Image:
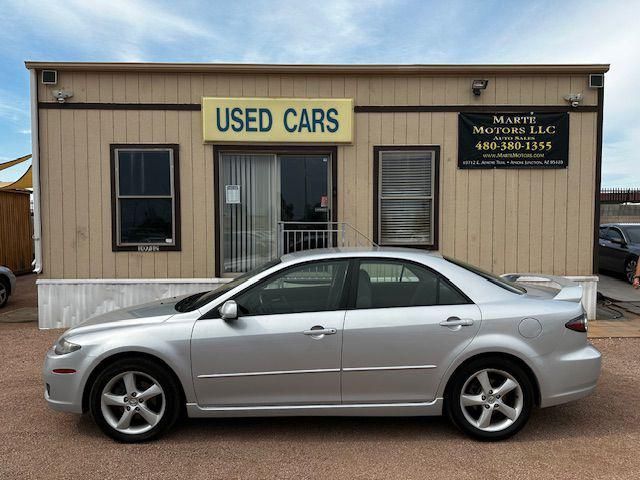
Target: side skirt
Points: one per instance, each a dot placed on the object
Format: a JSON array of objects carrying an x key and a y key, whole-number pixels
[{"x": 342, "y": 410}]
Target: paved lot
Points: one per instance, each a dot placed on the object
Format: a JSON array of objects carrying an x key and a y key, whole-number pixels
[
  {"x": 615, "y": 287},
  {"x": 23, "y": 302},
  {"x": 595, "y": 438}
]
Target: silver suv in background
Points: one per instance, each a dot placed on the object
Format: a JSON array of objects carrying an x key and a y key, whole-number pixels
[{"x": 7, "y": 285}]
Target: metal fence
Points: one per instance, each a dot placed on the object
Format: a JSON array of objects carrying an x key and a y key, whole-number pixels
[
  {"x": 619, "y": 213},
  {"x": 620, "y": 195},
  {"x": 298, "y": 236}
]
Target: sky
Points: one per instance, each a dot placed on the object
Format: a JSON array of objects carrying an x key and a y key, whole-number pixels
[{"x": 329, "y": 31}]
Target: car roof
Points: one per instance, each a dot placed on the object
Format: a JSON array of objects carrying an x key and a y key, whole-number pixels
[
  {"x": 627, "y": 224},
  {"x": 390, "y": 252}
]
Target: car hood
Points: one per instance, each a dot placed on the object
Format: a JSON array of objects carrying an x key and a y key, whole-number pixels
[{"x": 152, "y": 312}]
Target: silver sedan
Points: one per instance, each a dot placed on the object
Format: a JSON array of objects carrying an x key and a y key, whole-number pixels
[{"x": 332, "y": 332}]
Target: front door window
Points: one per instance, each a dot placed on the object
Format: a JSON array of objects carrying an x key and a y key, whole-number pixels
[{"x": 314, "y": 287}]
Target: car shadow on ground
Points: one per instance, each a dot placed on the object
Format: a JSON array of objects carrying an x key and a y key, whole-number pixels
[{"x": 573, "y": 420}]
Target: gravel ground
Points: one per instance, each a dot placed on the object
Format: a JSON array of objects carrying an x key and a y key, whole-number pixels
[{"x": 598, "y": 437}]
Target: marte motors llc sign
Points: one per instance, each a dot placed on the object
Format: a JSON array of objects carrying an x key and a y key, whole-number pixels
[{"x": 513, "y": 140}]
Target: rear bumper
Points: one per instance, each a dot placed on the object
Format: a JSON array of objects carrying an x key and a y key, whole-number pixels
[{"x": 569, "y": 376}]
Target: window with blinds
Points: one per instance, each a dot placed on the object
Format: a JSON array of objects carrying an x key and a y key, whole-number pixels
[{"x": 405, "y": 197}]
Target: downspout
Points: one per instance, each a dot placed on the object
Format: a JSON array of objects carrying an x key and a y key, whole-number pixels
[{"x": 35, "y": 169}]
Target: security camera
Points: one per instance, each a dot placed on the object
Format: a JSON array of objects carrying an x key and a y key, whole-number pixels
[
  {"x": 574, "y": 99},
  {"x": 478, "y": 85},
  {"x": 61, "y": 95}
]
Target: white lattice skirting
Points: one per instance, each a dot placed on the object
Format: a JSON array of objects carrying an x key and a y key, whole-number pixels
[{"x": 65, "y": 303}]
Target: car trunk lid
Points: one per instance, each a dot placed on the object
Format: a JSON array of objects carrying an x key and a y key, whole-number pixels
[{"x": 547, "y": 286}]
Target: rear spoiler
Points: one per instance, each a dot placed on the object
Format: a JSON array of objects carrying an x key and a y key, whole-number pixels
[{"x": 568, "y": 291}]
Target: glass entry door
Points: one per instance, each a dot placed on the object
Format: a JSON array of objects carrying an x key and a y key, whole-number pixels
[{"x": 270, "y": 204}]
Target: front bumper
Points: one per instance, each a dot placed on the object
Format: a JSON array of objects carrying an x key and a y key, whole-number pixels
[
  {"x": 570, "y": 376},
  {"x": 63, "y": 391}
]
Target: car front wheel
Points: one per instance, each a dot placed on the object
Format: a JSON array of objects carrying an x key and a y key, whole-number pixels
[
  {"x": 490, "y": 399},
  {"x": 134, "y": 400},
  {"x": 4, "y": 293}
]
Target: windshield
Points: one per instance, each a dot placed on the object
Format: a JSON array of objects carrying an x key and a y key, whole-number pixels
[
  {"x": 633, "y": 233},
  {"x": 198, "y": 300},
  {"x": 495, "y": 279}
]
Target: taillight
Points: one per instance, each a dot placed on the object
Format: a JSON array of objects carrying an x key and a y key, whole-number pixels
[{"x": 578, "y": 324}]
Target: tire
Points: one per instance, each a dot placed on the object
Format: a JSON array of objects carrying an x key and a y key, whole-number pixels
[
  {"x": 4, "y": 292},
  {"x": 630, "y": 269},
  {"x": 506, "y": 400},
  {"x": 151, "y": 411}
]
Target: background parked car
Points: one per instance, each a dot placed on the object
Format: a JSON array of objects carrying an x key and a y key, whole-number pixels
[
  {"x": 7, "y": 285},
  {"x": 619, "y": 248}
]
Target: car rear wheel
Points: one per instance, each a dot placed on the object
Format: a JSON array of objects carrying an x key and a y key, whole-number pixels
[
  {"x": 134, "y": 400},
  {"x": 490, "y": 399},
  {"x": 630, "y": 269}
]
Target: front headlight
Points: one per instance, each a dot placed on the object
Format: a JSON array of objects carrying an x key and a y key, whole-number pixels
[{"x": 63, "y": 346}]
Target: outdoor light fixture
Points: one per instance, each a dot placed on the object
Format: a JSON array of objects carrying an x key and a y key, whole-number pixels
[
  {"x": 478, "y": 85},
  {"x": 62, "y": 95},
  {"x": 574, "y": 99}
]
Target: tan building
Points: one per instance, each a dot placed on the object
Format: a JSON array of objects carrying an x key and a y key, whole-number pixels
[{"x": 155, "y": 179}]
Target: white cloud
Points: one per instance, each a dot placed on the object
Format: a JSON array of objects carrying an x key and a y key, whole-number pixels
[
  {"x": 292, "y": 31},
  {"x": 120, "y": 29},
  {"x": 603, "y": 32},
  {"x": 342, "y": 31},
  {"x": 13, "y": 109}
]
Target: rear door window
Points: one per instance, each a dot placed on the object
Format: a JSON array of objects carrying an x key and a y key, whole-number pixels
[{"x": 394, "y": 283}]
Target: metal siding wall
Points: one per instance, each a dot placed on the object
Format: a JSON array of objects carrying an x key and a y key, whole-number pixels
[{"x": 526, "y": 220}]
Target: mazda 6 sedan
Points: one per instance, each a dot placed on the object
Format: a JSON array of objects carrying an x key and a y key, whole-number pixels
[{"x": 332, "y": 332}]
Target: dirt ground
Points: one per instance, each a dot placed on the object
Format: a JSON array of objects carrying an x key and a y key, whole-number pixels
[{"x": 598, "y": 437}]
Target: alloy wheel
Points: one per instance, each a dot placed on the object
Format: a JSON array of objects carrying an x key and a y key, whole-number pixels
[
  {"x": 630, "y": 270},
  {"x": 3, "y": 294},
  {"x": 132, "y": 402},
  {"x": 491, "y": 400}
]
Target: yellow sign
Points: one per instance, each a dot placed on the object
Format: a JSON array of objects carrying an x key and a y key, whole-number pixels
[{"x": 277, "y": 120}]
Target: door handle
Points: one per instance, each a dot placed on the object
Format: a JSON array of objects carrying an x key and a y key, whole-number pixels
[
  {"x": 318, "y": 331},
  {"x": 456, "y": 322}
]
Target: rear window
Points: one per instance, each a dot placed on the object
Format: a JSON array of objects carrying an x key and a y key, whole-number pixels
[
  {"x": 495, "y": 279},
  {"x": 633, "y": 233}
]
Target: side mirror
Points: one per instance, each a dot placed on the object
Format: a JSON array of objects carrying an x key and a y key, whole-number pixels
[
  {"x": 229, "y": 310},
  {"x": 619, "y": 241}
]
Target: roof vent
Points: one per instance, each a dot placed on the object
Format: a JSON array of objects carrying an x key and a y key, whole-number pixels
[
  {"x": 49, "y": 77},
  {"x": 596, "y": 80}
]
